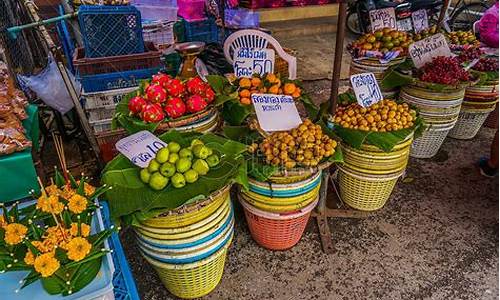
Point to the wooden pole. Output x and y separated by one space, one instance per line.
339 50
442 14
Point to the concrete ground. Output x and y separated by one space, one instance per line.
437 238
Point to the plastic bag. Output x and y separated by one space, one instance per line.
49 86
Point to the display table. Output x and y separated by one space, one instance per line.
18 175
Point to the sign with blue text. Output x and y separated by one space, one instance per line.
366 89
140 147
276 112
425 50
249 61
383 18
420 20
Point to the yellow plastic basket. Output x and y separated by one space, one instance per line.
194 280
277 205
365 192
191 213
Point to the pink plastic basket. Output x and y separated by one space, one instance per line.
192 10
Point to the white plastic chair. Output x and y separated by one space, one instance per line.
250 38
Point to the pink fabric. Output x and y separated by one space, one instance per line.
488 27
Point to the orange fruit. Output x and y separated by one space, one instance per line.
255 81
274 89
245 93
245 101
263 90
245 83
296 94
289 88
271 77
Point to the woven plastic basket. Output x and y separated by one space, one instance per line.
274 231
284 190
280 205
194 280
468 125
427 145
365 192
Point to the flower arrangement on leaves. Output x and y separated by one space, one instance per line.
167 97
52 239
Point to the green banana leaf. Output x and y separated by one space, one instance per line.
235 113
130 196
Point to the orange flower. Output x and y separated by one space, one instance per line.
29 258
3 223
14 233
53 190
46 264
50 204
78 248
84 229
77 204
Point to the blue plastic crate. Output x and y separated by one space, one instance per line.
117 80
241 18
67 42
201 31
110 30
123 281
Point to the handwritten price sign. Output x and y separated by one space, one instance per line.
276 112
383 18
249 61
140 147
423 51
420 20
366 88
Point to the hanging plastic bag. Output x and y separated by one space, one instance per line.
49 86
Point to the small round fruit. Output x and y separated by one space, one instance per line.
196 142
201 167
173 147
367 46
245 82
213 160
178 180
167 169
153 166
162 155
145 175
183 164
191 176
158 182
186 153
201 151
245 101
173 158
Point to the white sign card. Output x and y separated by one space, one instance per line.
249 61
404 24
383 18
276 112
366 89
140 147
425 50
420 20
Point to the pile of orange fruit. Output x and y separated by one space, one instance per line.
268 84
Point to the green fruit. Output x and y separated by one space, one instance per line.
145 175
212 160
196 142
191 176
153 166
186 153
210 151
158 182
162 155
183 164
167 169
178 180
174 147
386 38
201 167
201 151
173 157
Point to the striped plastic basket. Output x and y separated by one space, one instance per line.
428 145
469 122
280 205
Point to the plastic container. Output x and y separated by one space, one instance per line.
117 80
469 122
107 140
154 2
101 126
161 34
241 18
172 63
202 31
110 30
108 99
157 13
192 10
100 65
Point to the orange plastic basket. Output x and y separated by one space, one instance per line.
275 231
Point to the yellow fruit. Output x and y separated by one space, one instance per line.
289 88
271 77
255 81
245 83
274 89
245 101
245 93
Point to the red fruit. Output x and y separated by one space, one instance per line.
175 108
161 79
196 103
136 104
209 95
156 94
152 113
195 85
175 88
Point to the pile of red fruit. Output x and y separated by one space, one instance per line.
171 97
486 65
469 54
443 70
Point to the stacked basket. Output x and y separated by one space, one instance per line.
373 65
479 102
204 121
188 246
277 211
439 110
369 174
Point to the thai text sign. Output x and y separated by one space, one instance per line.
140 147
423 51
366 89
383 18
249 61
420 20
276 112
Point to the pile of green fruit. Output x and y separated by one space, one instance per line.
179 165
383 40
425 33
463 38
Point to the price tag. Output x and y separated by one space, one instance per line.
420 20
140 147
423 51
249 61
366 88
404 24
276 112
383 18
